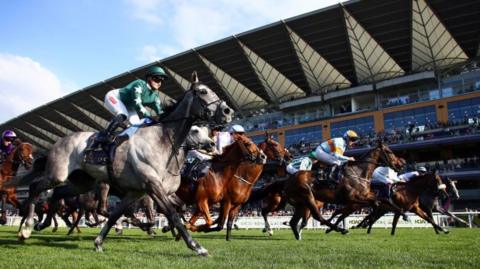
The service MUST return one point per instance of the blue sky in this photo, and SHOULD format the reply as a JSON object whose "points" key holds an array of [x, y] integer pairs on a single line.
{"points": [[51, 48]]}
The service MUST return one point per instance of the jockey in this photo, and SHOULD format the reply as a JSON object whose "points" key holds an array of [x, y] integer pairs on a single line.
{"points": [[331, 151], [7, 146], [302, 164], [128, 104], [409, 175], [386, 176], [223, 139]]}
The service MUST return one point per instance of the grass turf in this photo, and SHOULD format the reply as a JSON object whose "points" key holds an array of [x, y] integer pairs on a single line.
{"points": [[410, 248]]}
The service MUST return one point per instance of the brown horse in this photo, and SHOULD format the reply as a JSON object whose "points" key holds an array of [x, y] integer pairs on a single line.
{"points": [[21, 155], [307, 195], [277, 158], [407, 196], [228, 182]]}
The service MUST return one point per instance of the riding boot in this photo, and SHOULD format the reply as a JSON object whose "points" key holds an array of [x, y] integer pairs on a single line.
{"points": [[107, 136], [333, 170]]}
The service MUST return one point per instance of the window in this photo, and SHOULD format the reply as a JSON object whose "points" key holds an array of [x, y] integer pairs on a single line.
{"points": [[307, 134], [417, 117], [362, 126], [461, 111]]}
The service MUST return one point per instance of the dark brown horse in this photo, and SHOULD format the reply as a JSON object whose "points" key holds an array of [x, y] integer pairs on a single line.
{"points": [[407, 197], [352, 190], [21, 155], [277, 158], [228, 182]]}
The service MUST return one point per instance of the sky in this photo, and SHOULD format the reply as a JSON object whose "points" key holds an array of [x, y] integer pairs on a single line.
{"points": [[50, 48]]}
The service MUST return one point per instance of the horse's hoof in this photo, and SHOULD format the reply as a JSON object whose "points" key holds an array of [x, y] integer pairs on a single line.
{"points": [[118, 231], [202, 252], [446, 231], [165, 229], [270, 232], [327, 231], [24, 234], [98, 249], [344, 231], [54, 230]]}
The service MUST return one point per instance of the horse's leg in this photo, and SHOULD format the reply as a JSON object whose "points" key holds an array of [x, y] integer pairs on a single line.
{"points": [[446, 212], [161, 197], [205, 210], [297, 215], [231, 218], [81, 212], [429, 213], [373, 217], [3, 218], [394, 223], [55, 224], [35, 189], [311, 204], [103, 189], [150, 215], [272, 205], [344, 212], [126, 202], [222, 218], [417, 210]]}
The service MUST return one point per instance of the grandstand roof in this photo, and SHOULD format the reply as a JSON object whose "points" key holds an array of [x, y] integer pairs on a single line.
{"points": [[344, 45]]}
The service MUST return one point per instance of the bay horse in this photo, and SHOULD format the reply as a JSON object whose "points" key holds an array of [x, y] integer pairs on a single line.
{"points": [[407, 196], [229, 182], [21, 155], [277, 158], [149, 162], [308, 194]]}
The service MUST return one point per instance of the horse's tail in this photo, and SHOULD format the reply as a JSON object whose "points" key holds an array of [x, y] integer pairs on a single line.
{"points": [[259, 194], [38, 168]]}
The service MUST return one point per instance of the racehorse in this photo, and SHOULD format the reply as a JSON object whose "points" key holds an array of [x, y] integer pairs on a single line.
{"points": [[433, 201], [149, 162], [306, 194], [277, 158], [21, 155], [407, 196], [228, 182]]}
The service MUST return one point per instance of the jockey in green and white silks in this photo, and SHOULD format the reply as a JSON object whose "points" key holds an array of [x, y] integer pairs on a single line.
{"points": [[301, 164], [129, 103]]}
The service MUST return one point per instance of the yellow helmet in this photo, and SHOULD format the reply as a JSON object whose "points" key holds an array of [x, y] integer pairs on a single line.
{"points": [[350, 135]]}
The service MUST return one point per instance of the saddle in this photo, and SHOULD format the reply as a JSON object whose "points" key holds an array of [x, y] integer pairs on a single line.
{"points": [[195, 169], [99, 153]]}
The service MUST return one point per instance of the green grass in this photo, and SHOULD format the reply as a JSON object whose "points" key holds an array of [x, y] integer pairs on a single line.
{"points": [[410, 248]]}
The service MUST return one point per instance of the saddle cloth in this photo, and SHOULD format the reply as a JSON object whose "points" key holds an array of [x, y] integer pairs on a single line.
{"points": [[103, 154]]}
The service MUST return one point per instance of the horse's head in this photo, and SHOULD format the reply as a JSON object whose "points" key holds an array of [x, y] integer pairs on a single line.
{"points": [[274, 150], [206, 105], [198, 138], [22, 155], [430, 181], [387, 157], [249, 151], [451, 190]]}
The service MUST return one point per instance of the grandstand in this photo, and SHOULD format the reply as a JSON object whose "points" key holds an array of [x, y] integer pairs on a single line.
{"points": [[408, 70]]}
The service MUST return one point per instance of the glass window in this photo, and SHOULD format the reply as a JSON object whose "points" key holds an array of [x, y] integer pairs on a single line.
{"points": [[461, 111], [310, 134], [417, 117], [362, 126]]}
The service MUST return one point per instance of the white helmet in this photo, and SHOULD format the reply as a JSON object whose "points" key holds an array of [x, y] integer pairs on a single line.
{"points": [[422, 169], [237, 129]]}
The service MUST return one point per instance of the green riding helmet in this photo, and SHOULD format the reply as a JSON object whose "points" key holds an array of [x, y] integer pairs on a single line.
{"points": [[156, 71]]}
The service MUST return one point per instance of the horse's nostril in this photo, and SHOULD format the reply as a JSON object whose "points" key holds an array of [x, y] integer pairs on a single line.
{"points": [[227, 111], [212, 144]]}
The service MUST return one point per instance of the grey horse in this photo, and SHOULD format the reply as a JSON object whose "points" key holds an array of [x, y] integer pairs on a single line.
{"points": [[148, 163]]}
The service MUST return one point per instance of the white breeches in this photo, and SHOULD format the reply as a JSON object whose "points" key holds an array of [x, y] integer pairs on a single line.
{"points": [[116, 106], [326, 158]]}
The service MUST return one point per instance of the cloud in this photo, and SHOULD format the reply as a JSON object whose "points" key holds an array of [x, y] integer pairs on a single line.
{"points": [[147, 10], [198, 22], [25, 84]]}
